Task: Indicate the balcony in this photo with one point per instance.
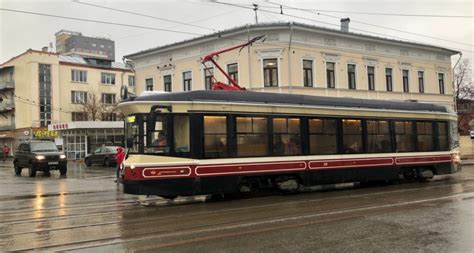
(7, 127)
(6, 85)
(7, 106)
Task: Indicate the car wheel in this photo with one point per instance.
(87, 161)
(17, 169)
(32, 170)
(107, 162)
(63, 170)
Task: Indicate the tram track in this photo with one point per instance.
(98, 215)
(226, 228)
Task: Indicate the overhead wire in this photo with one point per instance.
(369, 24)
(143, 15)
(331, 24)
(100, 21)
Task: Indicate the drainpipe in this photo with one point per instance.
(289, 57)
(454, 88)
(248, 58)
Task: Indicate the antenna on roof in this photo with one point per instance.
(255, 8)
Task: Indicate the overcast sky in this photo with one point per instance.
(19, 31)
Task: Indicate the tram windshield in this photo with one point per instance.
(160, 134)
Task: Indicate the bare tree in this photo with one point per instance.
(464, 89)
(463, 86)
(95, 109)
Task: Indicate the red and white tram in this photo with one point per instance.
(220, 142)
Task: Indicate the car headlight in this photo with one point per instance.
(40, 157)
(62, 157)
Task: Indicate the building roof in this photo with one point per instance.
(254, 27)
(80, 60)
(265, 98)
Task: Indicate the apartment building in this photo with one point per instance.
(41, 89)
(303, 59)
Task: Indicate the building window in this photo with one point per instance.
(388, 79)
(131, 81)
(424, 134)
(405, 136)
(378, 136)
(109, 117)
(107, 78)
(421, 82)
(208, 78)
(352, 136)
(330, 75)
(187, 80)
(441, 83)
(94, 45)
(167, 82)
(149, 84)
(286, 136)
(44, 94)
(79, 75)
(270, 72)
(79, 116)
(308, 73)
(215, 136)
(322, 136)
(108, 98)
(252, 137)
(78, 97)
(351, 76)
(406, 84)
(233, 71)
(371, 77)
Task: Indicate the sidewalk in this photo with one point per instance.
(468, 161)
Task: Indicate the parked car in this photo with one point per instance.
(103, 155)
(39, 156)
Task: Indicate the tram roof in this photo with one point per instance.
(246, 97)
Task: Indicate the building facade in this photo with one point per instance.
(76, 44)
(40, 88)
(303, 59)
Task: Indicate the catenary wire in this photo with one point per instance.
(368, 24)
(100, 22)
(144, 15)
(331, 24)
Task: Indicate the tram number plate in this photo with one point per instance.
(53, 163)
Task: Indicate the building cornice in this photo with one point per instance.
(94, 67)
(275, 26)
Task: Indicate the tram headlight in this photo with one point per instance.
(132, 167)
(456, 158)
(40, 157)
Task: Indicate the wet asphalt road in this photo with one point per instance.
(87, 212)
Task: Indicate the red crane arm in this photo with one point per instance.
(210, 57)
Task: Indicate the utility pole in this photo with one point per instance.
(255, 8)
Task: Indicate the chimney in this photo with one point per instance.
(345, 24)
(44, 49)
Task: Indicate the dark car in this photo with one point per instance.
(39, 156)
(103, 155)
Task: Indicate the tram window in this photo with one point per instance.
(352, 139)
(378, 136)
(443, 136)
(215, 136)
(424, 131)
(252, 138)
(181, 134)
(322, 136)
(404, 136)
(132, 133)
(158, 136)
(286, 136)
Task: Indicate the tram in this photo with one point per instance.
(223, 142)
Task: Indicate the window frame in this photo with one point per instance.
(351, 77)
(107, 78)
(79, 76)
(308, 73)
(168, 86)
(406, 80)
(234, 74)
(421, 81)
(104, 98)
(187, 83)
(332, 74)
(389, 79)
(83, 96)
(441, 86)
(149, 87)
(271, 70)
(371, 76)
